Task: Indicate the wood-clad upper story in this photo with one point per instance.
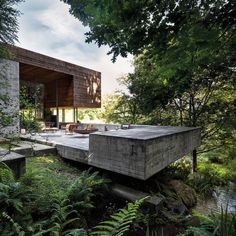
(66, 84)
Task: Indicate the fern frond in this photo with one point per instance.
(120, 222)
(15, 226)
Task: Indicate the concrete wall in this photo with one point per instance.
(163, 151)
(141, 151)
(120, 155)
(9, 97)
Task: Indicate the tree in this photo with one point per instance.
(130, 26)
(187, 49)
(208, 102)
(120, 108)
(8, 23)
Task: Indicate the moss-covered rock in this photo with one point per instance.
(184, 192)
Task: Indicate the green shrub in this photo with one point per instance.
(30, 124)
(205, 183)
(223, 224)
(6, 174)
(179, 169)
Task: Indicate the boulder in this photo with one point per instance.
(184, 192)
(177, 206)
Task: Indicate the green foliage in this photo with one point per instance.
(215, 168)
(6, 175)
(49, 199)
(90, 113)
(185, 59)
(14, 228)
(221, 163)
(179, 169)
(120, 222)
(8, 19)
(131, 26)
(63, 218)
(223, 224)
(30, 124)
(120, 108)
(204, 183)
(30, 102)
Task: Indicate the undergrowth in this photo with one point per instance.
(214, 224)
(53, 198)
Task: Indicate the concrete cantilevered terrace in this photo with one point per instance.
(139, 152)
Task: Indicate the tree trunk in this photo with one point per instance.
(194, 166)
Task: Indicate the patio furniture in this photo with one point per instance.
(47, 127)
(70, 128)
(63, 125)
(87, 130)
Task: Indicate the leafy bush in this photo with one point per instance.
(6, 174)
(204, 183)
(223, 224)
(30, 124)
(179, 169)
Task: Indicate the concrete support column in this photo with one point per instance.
(9, 98)
(57, 102)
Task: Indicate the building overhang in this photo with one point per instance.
(66, 84)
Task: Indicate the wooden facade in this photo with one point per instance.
(65, 84)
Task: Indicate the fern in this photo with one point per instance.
(12, 197)
(82, 192)
(120, 222)
(6, 174)
(63, 219)
(15, 227)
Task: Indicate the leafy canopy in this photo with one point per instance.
(8, 22)
(130, 26)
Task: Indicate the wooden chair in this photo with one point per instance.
(45, 128)
(70, 128)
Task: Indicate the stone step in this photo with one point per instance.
(14, 161)
(33, 149)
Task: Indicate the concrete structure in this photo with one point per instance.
(154, 202)
(139, 152)
(65, 85)
(14, 161)
(32, 149)
(9, 97)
